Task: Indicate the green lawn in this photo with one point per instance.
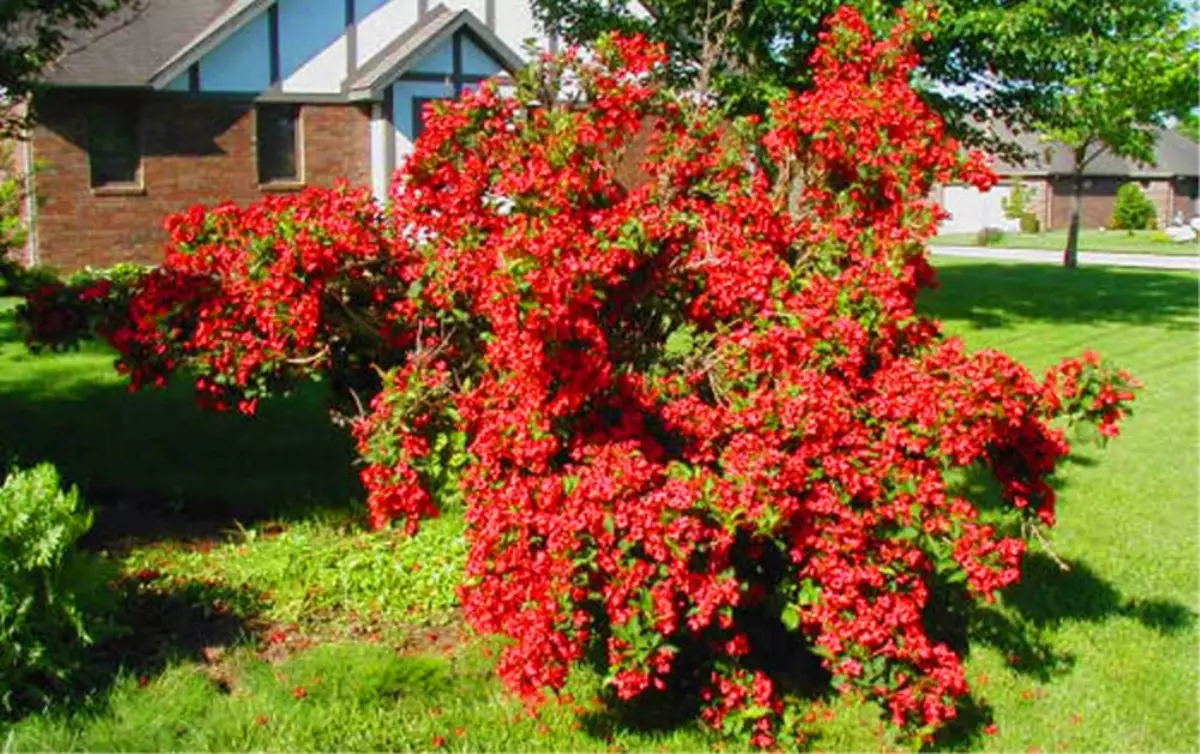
(1129, 242)
(296, 629)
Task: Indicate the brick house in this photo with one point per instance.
(176, 102)
(1172, 182)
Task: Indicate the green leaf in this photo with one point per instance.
(790, 617)
(679, 344)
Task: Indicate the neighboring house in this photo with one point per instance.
(1171, 183)
(179, 102)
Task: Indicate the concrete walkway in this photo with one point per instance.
(1086, 258)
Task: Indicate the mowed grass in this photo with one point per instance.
(1115, 241)
(292, 627)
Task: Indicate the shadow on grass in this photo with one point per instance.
(1021, 629)
(993, 295)
(148, 622)
(153, 463)
(1047, 597)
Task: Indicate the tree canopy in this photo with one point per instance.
(1113, 94)
(982, 59)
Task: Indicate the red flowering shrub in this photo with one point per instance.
(702, 417)
(697, 424)
(248, 300)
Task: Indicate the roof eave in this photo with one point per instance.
(206, 42)
(462, 20)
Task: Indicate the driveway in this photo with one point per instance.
(1086, 258)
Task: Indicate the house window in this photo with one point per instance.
(278, 144)
(114, 146)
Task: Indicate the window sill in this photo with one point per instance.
(282, 187)
(130, 189)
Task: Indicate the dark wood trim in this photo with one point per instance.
(441, 78)
(194, 77)
(389, 134)
(351, 38)
(490, 14)
(251, 98)
(273, 41)
(456, 50)
(418, 110)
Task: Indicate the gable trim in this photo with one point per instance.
(397, 59)
(221, 29)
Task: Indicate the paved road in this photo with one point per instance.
(1086, 258)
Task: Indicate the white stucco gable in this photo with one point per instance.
(317, 48)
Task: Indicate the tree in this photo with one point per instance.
(1189, 125)
(1115, 92)
(983, 59)
(33, 34)
(1016, 207)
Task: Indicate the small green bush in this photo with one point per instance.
(50, 605)
(1030, 224)
(988, 236)
(1133, 211)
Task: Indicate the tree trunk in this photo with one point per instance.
(1071, 252)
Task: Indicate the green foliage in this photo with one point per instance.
(1133, 210)
(1022, 48)
(989, 236)
(1189, 125)
(315, 571)
(1016, 206)
(44, 585)
(1135, 74)
(12, 194)
(1128, 529)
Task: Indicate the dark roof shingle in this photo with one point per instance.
(1175, 155)
(126, 48)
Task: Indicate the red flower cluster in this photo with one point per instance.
(707, 404)
(695, 423)
(248, 300)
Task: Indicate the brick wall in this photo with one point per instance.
(1099, 198)
(1187, 198)
(193, 151)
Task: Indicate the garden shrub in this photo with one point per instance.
(705, 432)
(250, 300)
(1016, 206)
(696, 424)
(989, 236)
(50, 603)
(1133, 210)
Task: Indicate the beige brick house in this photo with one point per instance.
(1171, 182)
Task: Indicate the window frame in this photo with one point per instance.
(297, 180)
(95, 112)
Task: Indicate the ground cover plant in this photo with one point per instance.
(696, 424)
